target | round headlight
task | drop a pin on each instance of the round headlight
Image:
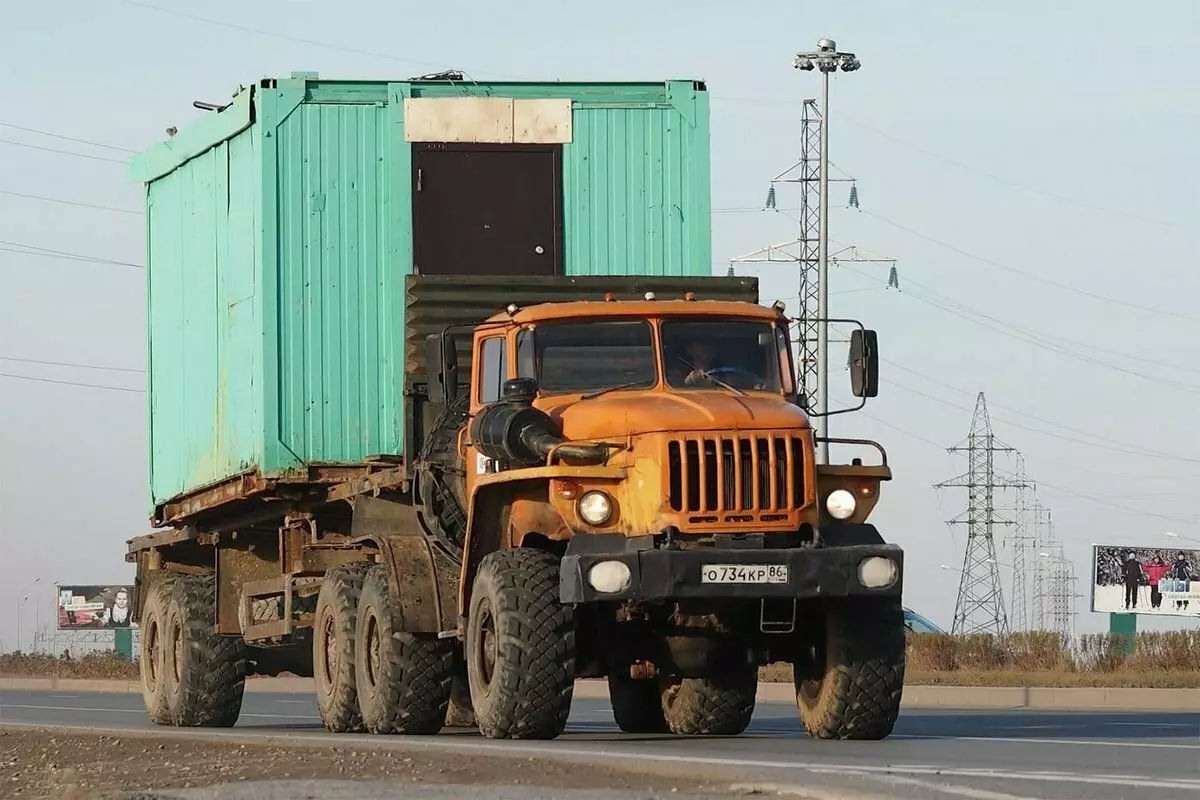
(840, 504)
(595, 508)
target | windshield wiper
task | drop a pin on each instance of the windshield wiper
(618, 387)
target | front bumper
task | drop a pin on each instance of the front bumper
(676, 574)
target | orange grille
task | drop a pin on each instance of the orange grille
(726, 474)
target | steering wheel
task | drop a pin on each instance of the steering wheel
(755, 380)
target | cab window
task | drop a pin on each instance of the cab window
(493, 369)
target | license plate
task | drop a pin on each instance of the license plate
(744, 573)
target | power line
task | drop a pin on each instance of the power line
(46, 252)
(71, 383)
(71, 364)
(951, 306)
(1132, 448)
(1133, 452)
(61, 152)
(1030, 275)
(52, 135)
(1029, 337)
(69, 202)
(1040, 483)
(1009, 182)
(285, 37)
(1044, 338)
(971, 168)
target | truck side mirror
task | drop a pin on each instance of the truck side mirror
(441, 359)
(864, 363)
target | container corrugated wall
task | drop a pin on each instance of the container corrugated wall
(280, 233)
(632, 194)
(340, 331)
(205, 347)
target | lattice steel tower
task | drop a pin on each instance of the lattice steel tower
(1043, 542)
(980, 605)
(1022, 542)
(805, 250)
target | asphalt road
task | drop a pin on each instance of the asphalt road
(984, 755)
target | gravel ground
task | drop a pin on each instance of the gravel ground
(42, 764)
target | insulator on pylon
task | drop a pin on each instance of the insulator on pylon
(853, 195)
(893, 278)
(770, 198)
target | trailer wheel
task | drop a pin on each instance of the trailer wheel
(520, 647)
(333, 647)
(151, 664)
(721, 705)
(205, 674)
(850, 684)
(403, 679)
(636, 705)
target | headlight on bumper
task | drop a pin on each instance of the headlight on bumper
(878, 572)
(610, 577)
(840, 504)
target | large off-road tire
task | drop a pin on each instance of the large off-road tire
(403, 679)
(520, 647)
(721, 705)
(205, 674)
(151, 664)
(850, 684)
(636, 704)
(333, 647)
(440, 486)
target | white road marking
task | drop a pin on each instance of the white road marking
(957, 791)
(544, 749)
(1032, 740)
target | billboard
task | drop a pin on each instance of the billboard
(1160, 581)
(94, 607)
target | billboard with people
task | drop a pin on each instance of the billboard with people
(1146, 580)
(94, 607)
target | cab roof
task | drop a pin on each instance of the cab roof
(592, 309)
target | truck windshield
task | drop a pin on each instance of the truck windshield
(709, 353)
(586, 357)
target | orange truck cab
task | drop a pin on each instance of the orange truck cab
(656, 451)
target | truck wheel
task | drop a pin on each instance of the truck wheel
(636, 705)
(715, 706)
(151, 664)
(850, 685)
(403, 679)
(205, 674)
(333, 647)
(520, 647)
(460, 713)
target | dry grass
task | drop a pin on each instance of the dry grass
(92, 666)
(1158, 660)
(1027, 659)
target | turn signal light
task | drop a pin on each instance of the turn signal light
(568, 490)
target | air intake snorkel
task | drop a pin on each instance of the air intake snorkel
(513, 431)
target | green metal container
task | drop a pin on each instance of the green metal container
(281, 228)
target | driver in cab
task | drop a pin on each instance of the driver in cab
(706, 369)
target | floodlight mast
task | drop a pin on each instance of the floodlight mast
(826, 59)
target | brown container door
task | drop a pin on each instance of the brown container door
(487, 209)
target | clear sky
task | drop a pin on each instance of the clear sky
(1031, 166)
